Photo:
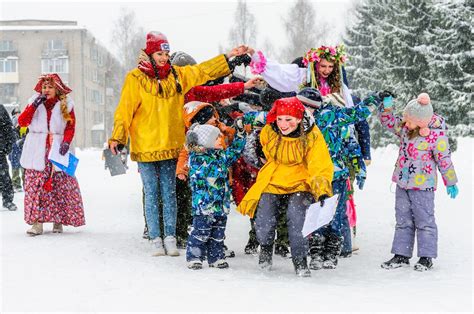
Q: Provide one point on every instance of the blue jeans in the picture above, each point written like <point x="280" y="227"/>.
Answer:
<point x="206" y="238"/>
<point x="163" y="174"/>
<point x="340" y="223"/>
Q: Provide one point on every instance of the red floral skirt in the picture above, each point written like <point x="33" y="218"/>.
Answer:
<point x="63" y="204"/>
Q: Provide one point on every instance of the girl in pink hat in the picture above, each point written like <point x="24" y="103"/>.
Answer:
<point x="423" y="148"/>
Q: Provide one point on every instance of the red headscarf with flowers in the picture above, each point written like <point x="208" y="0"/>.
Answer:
<point x="54" y="80"/>
<point x="290" y="106"/>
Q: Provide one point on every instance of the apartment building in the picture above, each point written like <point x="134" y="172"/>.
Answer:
<point x="29" y="48"/>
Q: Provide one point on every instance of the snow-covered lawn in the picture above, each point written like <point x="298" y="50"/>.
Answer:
<point x="107" y="266"/>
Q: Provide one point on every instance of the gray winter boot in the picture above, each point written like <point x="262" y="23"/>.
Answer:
<point x="265" y="257"/>
<point x="332" y="251"/>
<point x="57" y="228"/>
<point x="301" y="267"/>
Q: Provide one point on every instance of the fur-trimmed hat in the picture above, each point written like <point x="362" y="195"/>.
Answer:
<point x="419" y="111"/>
<point x="204" y="135"/>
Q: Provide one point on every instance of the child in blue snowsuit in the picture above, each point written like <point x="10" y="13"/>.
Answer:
<point x="333" y="120"/>
<point x="424" y="148"/>
<point x="209" y="166"/>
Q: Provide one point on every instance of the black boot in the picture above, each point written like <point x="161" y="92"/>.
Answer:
<point x="316" y="252"/>
<point x="265" y="257"/>
<point x="423" y="264"/>
<point x="332" y="250"/>
<point x="396" y="262"/>
<point x="251" y="247"/>
<point x="282" y="250"/>
<point x="228" y="253"/>
<point x="301" y="267"/>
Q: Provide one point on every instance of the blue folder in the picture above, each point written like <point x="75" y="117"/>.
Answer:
<point x="71" y="167"/>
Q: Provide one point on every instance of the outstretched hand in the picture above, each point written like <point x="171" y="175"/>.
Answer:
<point x="237" y="51"/>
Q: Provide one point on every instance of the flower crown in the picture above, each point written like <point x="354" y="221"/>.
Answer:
<point x="334" y="54"/>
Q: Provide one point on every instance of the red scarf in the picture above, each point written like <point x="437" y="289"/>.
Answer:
<point x="147" y="68"/>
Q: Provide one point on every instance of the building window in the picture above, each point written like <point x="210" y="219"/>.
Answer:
<point x="6" y="45"/>
<point x="98" y="117"/>
<point x="8" y="65"/>
<point x="7" y="90"/>
<point x="56" y="65"/>
<point x="56" y="44"/>
<point x="94" y="53"/>
<point x="97" y="97"/>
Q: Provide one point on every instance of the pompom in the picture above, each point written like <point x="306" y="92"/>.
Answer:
<point x="424" y="132"/>
<point x="192" y="138"/>
<point x="423" y="99"/>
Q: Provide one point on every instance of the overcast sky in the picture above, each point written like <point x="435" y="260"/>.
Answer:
<point x="197" y="27"/>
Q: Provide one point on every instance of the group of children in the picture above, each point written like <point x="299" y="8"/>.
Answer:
<point x="304" y="141"/>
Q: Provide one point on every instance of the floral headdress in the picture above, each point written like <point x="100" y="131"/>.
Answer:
<point x="334" y="54"/>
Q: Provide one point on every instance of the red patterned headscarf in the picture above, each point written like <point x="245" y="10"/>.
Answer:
<point x="290" y="106"/>
<point x="54" y="80"/>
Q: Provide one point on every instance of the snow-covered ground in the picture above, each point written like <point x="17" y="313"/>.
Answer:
<point x="107" y="266"/>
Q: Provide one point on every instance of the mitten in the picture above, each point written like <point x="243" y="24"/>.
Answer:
<point x="322" y="198"/>
<point x="239" y="60"/>
<point x="360" y="178"/>
<point x="147" y="68"/>
<point x="39" y="100"/>
<point x="239" y="125"/>
<point x="452" y="191"/>
<point x="64" y="148"/>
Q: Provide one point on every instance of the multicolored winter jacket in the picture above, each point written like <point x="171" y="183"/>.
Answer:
<point x="418" y="157"/>
<point x="334" y="122"/>
<point x="208" y="177"/>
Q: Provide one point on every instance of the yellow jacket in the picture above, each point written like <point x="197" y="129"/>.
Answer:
<point x="154" y="121"/>
<point x="292" y="166"/>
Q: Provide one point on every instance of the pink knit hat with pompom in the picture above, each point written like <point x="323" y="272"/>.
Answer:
<point x="419" y="111"/>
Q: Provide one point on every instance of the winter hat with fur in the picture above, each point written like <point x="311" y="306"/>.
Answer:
<point x="419" y="111"/>
<point x="204" y="135"/>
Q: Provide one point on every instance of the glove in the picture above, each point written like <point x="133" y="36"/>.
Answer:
<point x="147" y="68"/>
<point x="39" y="100"/>
<point x="239" y="125"/>
<point x="386" y="93"/>
<point x="322" y="198"/>
<point x="452" y="191"/>
<point x="388" y="102"/>
<point x="64" y="148"/>
<point x="23" y="131"/>
<point x="360" y="178"/>
<point x="239" y="60"/>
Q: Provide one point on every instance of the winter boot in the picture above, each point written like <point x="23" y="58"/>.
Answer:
<point x="265" y="257"/>
<point x="220" y="264"/>
<point x="251" y="247"/>
<point x="396" y="262"/>
<point x="228" y="253"/>
<point x="170" y="246"/>
<point x="424" y="264"/>
<point x="301" y="267"/>
<point x="10" y="206"/>
<point x="282" y="250"/>
<point x="36" y="229"/>
<point x="57" y="228"/>
<point x="195" y="265"/>
<point x="158" y="247"/>
<point x="332" y="251"/>
<point x="316" y="252"/>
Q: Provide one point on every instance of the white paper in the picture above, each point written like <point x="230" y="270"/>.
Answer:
<point x="317" y="216"/>
<point x="56" y="156"/>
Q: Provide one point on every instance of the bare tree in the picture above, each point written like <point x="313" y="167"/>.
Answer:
<point x="244" y="30"/>
<point x="127" y="38"/>
<point x="301" y="30"/>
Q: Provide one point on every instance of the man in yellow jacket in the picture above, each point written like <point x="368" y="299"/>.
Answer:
<point x="150" y="113"/>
